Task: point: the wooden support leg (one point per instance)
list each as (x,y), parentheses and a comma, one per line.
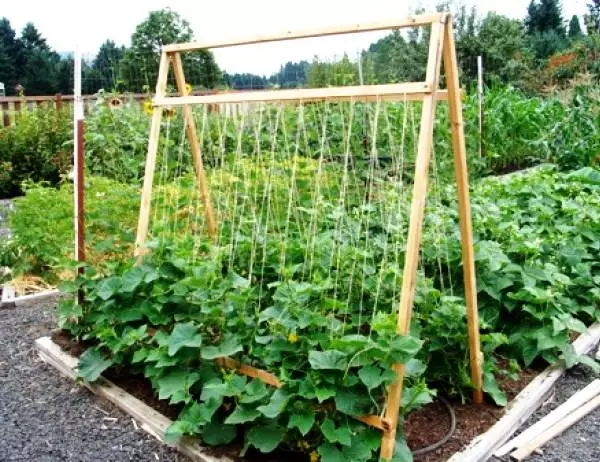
(415,230)
(466,231)
(161,87)
(190,128)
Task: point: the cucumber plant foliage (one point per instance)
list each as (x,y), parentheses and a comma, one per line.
(168,319)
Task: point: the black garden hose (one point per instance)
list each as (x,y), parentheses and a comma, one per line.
(434,446)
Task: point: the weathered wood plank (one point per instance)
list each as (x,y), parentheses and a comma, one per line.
(525,404)
(8,296)
(153,422)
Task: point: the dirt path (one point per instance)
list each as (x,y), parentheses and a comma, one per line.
(45,417)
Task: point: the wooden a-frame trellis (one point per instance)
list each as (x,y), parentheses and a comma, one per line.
(441,49)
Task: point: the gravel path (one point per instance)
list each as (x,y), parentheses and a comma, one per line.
(581,442)
(45,417)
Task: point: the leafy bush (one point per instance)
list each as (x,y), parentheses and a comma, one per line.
(537,254)
(42,239)
(36,149)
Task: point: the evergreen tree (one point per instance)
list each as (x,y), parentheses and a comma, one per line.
(592,19)
(9,50)
(544,16)
(545,28)
(104,71)
(575,28)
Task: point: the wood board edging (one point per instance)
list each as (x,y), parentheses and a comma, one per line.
(523,405)
(151,421)
(8,296)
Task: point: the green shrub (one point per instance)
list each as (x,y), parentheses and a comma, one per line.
(36,148)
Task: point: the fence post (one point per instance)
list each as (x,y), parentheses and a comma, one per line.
(480,100)
(5,114)
(58,98)
(78,164)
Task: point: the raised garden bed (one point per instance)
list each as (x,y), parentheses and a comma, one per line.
(479,429)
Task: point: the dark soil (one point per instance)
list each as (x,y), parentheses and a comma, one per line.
(140,387)
(470,420)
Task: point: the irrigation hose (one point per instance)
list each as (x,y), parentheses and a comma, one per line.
(434,446)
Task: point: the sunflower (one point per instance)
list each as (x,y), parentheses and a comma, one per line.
(148,107)
(115,103)
(188,89)
(169,113)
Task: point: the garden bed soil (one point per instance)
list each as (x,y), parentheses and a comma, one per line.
(423,427)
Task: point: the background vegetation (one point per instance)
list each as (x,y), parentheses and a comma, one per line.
(541,50)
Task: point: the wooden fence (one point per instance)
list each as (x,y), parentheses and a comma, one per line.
(12,106)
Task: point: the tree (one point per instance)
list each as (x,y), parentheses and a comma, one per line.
(544,24)
(592,19)
(291,75)
(139,67)
(9,50)
(40,72)
(544,16)
(104,71)
(31,39)
(575,28)
(501,40)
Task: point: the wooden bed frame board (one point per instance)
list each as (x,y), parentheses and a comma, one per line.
(151,421)
(480,449)
(524,405)
(8,296)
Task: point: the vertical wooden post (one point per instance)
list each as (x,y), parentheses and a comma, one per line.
(480,101)
(413,243)
(5,114)
(466,231)
(146,199)
(78,166)
(190,128)
(59,101)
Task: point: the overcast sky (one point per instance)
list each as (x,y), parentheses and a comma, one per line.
(92,23)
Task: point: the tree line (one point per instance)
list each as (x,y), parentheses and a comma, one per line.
(543,48)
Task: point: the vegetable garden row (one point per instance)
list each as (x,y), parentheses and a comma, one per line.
(304,285)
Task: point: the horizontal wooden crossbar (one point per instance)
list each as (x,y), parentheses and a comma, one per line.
(411,91)
(244,369)
(411,21)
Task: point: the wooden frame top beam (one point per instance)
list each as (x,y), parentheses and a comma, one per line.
(412,91)
(410,21)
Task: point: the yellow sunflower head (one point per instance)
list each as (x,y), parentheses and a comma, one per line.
(188,89)
(148,107)
(115,103)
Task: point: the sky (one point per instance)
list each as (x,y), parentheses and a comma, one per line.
(70,23)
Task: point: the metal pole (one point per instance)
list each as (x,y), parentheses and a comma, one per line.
(78,164)
(480,98)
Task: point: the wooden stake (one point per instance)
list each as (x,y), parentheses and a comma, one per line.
(409,279)
(411,21)
(466,231)
(190,128)
(555,429)
(412,91)
(574,402)
(161,88)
